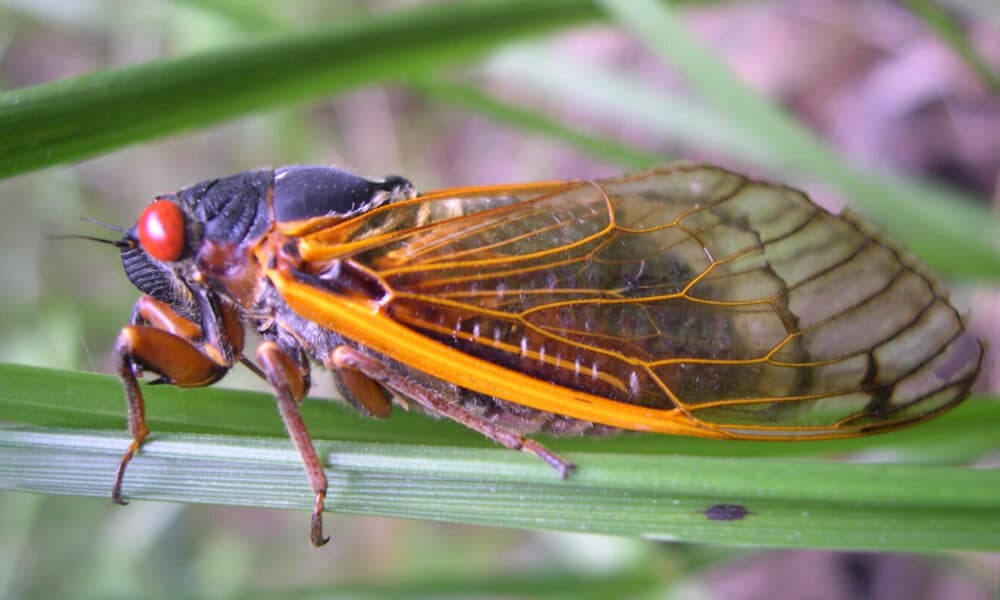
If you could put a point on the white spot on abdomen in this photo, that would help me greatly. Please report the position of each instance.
(633, 385)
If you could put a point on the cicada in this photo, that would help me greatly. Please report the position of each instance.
(685, 299)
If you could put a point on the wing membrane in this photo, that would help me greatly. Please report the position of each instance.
(740, 303)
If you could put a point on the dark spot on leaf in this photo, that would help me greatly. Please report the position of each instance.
(726, 512)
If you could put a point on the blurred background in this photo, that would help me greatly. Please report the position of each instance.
(869, 76)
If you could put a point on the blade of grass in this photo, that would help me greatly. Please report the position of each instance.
(987, 10)
(683, 121)
(631, 583)
(66, 399)
(955, 238)
(81, 117)
(617, 96)
(790, 503)
(418, 468)
(470, 98)
(474, 99)
(951, 34)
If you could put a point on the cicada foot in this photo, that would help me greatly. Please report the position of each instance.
(316, 529)
(116, 489)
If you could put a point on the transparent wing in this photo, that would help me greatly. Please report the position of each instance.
(740, 303)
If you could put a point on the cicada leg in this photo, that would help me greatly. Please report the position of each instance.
(346, 358)
(290, 382)
(366, 395)
(179, 351)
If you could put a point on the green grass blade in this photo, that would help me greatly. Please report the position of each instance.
(950, 33)
(680, 120)
(791, 503)
(530, 120)
(82, 117)
(986, 10)
(68, 399)
(551, 585)
(414, 467)
(616, 96)
(951, 237)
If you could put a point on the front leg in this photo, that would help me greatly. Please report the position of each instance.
(161, 341)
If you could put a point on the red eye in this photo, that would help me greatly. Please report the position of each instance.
(161, 230)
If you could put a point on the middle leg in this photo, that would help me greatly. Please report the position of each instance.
(347, 358)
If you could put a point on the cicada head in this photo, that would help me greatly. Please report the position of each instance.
(206, 233)
(210, 224)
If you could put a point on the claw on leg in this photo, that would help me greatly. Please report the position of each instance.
(116, 489)
(316, 531)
